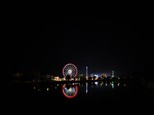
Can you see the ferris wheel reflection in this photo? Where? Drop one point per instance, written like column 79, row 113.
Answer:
column 70, row 90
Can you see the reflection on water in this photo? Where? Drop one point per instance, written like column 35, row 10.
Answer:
column 80, row 95
column 86, row 87
column 75, row 89
column 69, row 90
column 69, row 96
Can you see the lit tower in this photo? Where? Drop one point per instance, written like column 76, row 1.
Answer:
column 112, row 74
column 87, row 72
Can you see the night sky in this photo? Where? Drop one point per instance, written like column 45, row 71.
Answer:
column 103, row 42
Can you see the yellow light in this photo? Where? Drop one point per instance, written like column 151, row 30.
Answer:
column 47, row 89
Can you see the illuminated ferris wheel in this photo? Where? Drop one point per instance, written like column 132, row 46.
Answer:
column 69, row 91
column 70, row 69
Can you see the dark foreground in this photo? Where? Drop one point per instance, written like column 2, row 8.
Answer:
column 77, row 98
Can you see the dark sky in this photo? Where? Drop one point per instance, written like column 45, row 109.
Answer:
column 103, row 42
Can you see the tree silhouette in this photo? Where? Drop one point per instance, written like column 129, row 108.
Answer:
column 68, row 77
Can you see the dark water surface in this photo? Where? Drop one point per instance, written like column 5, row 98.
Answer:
column 98, row 97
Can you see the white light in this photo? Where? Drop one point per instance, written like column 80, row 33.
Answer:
column 70, row 90
column 96, row 75
column 86, row 87
column 47, row 89
column 96, row 83
column 112, row 85
column 69, row 71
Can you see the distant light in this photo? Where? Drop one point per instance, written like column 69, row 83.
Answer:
column 86, row 91
column 47, row 89
column 70, row 71
column 102, row 83
column 86, row 87
column 112, row 85
column 69, row 90
column 96, row 75
column 96, row 83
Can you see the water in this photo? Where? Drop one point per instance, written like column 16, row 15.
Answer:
column 98, row 96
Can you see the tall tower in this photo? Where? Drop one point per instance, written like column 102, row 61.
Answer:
column 86, row 72
column 112, row 74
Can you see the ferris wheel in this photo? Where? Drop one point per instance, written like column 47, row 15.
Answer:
column 70, row 69
column 69, row 91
